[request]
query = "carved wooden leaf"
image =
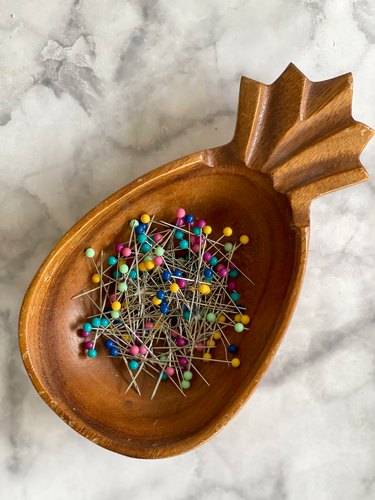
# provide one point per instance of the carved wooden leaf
(301, 133)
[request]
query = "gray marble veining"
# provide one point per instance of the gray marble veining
(94, 93)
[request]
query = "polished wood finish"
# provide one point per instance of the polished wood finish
(294, 141)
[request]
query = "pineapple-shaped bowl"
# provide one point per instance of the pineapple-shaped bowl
(294, 141)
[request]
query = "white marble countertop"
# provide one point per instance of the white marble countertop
(77, 80)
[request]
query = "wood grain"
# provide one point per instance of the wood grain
(294, 141)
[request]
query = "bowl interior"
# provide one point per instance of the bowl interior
(90, 393)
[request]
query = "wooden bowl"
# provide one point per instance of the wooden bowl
(294, 141)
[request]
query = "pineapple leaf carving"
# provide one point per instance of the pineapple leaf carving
(302, 134)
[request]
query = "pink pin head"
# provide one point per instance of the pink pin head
(142, 350)
(158, 261)
(134, 350)
(126, 252)
(169, 371)
(199, 346)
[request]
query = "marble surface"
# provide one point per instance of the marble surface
(77, 80)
